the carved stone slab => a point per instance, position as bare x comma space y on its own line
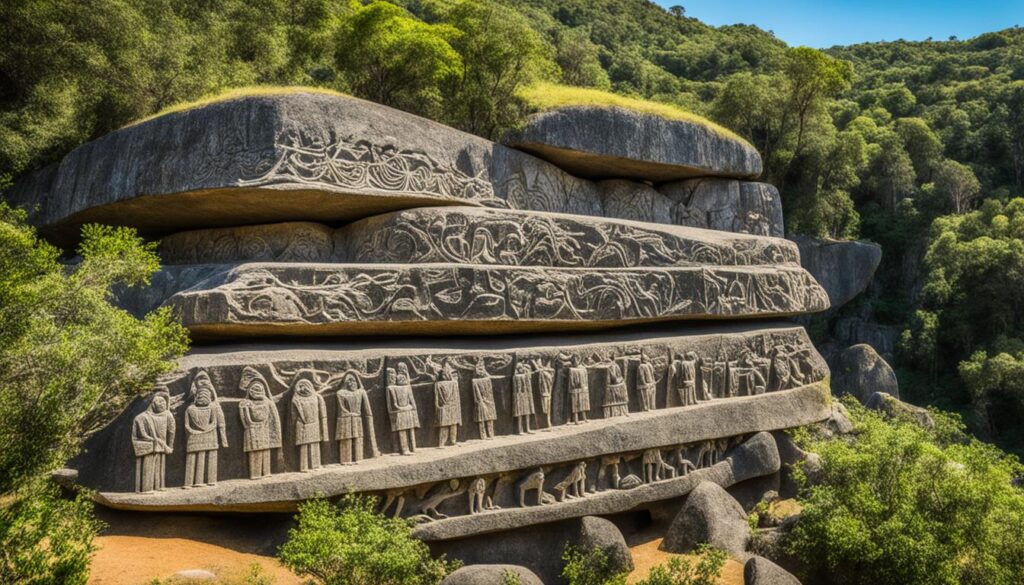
289, 157
467, 235
314, 157
274, 242
611, 142
393, 397
341, 299
756, 457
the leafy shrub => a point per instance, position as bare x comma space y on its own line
589, 567
681, 571
901, 504
352, 544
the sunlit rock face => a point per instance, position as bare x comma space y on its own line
486, 340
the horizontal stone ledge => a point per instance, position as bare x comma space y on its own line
608, 142
728, 362
329, 159
638, 432
476, 235
756, 457
260, 299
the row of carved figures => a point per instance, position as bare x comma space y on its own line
529, 489
691, 380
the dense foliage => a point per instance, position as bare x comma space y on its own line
903, 505
69, 362
352, 544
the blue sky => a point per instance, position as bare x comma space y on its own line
825, 23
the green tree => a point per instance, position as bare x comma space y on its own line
69, 362
499, 54
959, 185
386, 55
899, 504
354, 545
579, 59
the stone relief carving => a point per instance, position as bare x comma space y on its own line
353, 411
447, 406
480, 236
309, 420
574, 484
479, 501
402, 409
533, 482
205, 432
312, 294
153, 440
685, 373
261, 422
342, 161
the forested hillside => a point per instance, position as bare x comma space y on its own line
918, 146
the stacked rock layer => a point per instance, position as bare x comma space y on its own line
485, 336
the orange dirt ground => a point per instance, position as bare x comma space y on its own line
646, 555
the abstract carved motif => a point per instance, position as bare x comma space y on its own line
336, 161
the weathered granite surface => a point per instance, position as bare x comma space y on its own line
491, 575
761, 571
327, 159
467, 235
727, 205
288, 157
612, 142
258, 299
476, 235
781, 363
844, 268
275, 242
710, 515
861, 372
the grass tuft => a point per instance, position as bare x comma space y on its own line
546, 96
235, 93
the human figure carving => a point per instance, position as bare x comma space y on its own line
616, 396
533, 482
447, 407
405, 419
684, 378
574, 484
309, 420
353, 411
785, 371
483, 399
205, 432
654, 465
478, 498
261, 422
705, 381
522, 398
646, 383
152, 440
579, 391
545, 384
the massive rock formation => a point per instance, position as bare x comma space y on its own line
614, 143
298, 225
843, 268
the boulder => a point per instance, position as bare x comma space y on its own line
192, 575
601, 534
896, 408
612, 142
844, 268
491, 575
710, 515
861, 372
761, 571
